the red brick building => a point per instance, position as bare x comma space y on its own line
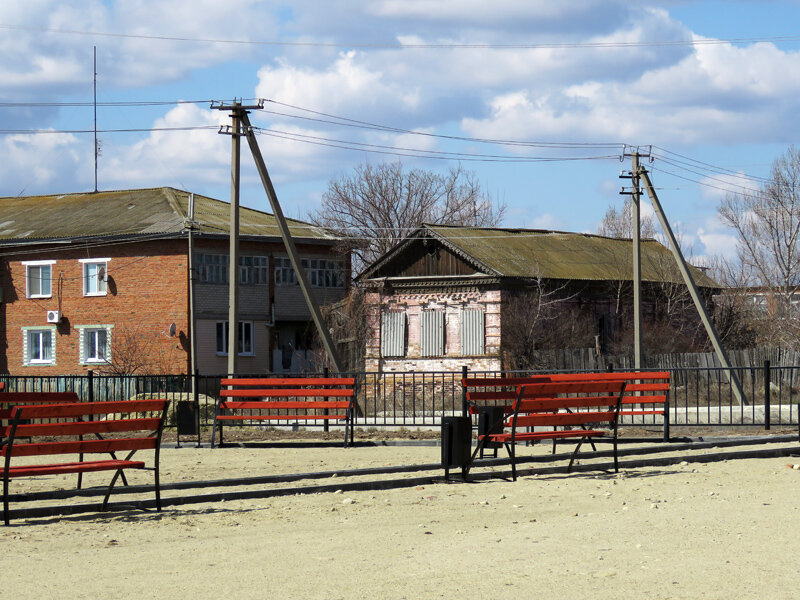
101, 281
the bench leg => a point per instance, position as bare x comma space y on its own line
5, 498
575, 454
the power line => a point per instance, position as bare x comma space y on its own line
415, 152
418, 46
348, 122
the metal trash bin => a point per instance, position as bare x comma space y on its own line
456, 443
187, 419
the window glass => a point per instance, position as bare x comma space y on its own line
96, 345
39, 281
40, 346
94, 278
245, 342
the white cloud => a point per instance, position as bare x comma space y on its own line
35, 163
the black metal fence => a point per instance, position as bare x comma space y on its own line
698, 396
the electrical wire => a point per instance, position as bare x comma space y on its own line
416, 46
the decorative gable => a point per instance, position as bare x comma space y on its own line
425, 258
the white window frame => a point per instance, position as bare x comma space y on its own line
100, 282
83, 339
243, 325
26, 346
38, 264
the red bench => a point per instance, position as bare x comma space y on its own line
59, 429
543, 407
647, 393
286, 401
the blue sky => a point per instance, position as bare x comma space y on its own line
714, 87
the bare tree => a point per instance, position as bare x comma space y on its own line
379, 205
619, 224
767, 226
538, 319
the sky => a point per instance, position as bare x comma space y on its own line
540, 99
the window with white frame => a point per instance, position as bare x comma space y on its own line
393, 333
95, 344
473, 331
95, 276
38, 346
246, 346
213, 268
321, 272
39, 278
431, 333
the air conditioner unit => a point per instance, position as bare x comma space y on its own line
53, 316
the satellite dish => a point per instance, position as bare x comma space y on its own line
172, 330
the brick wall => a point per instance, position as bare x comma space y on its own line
146, 292
451, 302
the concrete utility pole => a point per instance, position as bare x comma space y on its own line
233, 264
246, 129
636, 244
689, 281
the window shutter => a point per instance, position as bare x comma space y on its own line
82, 346
473, 328
26, 358
393, 333
432, 333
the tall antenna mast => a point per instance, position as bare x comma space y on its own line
95, 119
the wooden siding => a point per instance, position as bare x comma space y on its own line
426, 261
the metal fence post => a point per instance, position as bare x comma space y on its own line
90, 383
767, 385
325, 426
464, 408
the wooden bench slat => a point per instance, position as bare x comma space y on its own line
86, 427
283, 393
282, 405
300, 417
555, 419
78, 467
295, 382
547, 435
84, 447
82, 409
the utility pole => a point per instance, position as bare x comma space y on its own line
636, 243
189, 224
243, 121
237, 110
689, 281
96, 149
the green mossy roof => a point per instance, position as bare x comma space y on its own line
131, 213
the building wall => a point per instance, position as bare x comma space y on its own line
146, 293
412, 303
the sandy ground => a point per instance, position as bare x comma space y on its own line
716, 530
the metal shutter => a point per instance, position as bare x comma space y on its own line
472, 331
432, 333
393, 333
